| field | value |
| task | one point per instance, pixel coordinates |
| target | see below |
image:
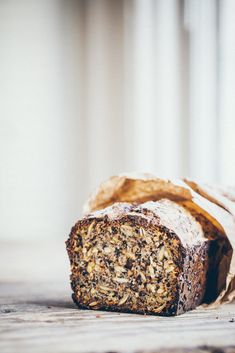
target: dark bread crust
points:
(218, 248)
(169, 279)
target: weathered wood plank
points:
(39, 316)
(43, 315)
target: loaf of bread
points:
(150, 258)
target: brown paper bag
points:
(216, 204)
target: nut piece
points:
(119, 269)
(151, 271)
(142, 232)
(124, 299)
(93, 304)
(90, 267)
(151, 288)
(169, 269)
(161, 254)
(105, 288)
(142, 277)
(107, 250)
(166, 254)
(121, 280)
(127, 230)
(159, 309)
(90, 229)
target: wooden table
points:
(38, 315)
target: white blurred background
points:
(89, 89)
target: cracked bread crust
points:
(148, 259)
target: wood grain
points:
(38, 315)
